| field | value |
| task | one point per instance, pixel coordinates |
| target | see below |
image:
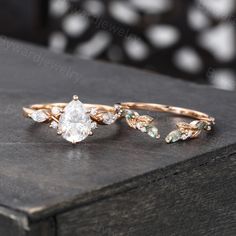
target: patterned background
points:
(189, 39)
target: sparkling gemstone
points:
(118, 109)
(130, 114)
(186, 135)
(54, 125)
(173, 136)
(56, 111)
(198, 124)
(201, 125)
(141, 127)
(94, 125)
(93, 111)
(75, 124)
(153, 132)
(39, 116)
(109, 118)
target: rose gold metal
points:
(169, 109)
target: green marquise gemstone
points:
(152, 131)
(130, 114)
(141, 127)
(201, 125)
(173, 136)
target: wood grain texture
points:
(198, 201)
(41, 175)
(46, 227)
(14, 223)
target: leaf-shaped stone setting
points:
(75, 123)
(39, 116)
(142, 123)
(187, 131)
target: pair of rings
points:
(76, 121)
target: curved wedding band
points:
(75, 121)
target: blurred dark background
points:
(189, 39)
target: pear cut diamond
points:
(75, 124)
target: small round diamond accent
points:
(54, 125)
(93, 111)
(94, 125)
(56, 111)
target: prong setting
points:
(75, 98)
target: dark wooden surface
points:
(197, 201)
(44, 178)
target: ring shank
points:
(169, 109)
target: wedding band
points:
(75, 121)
